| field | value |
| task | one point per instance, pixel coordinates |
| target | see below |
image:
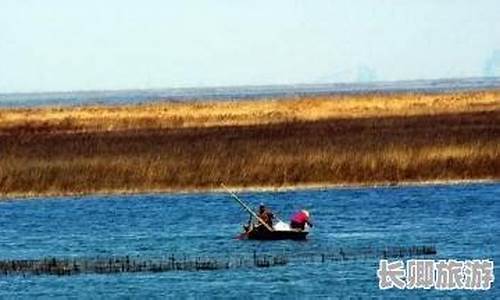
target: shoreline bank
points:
(251, 189)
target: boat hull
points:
(264, 234)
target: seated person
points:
(266, 215)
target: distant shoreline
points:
(243, 93)
(299, 141)
(253, 189)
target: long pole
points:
(247, 208)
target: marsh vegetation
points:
(357, 139)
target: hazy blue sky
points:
(54, 45)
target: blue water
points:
(72, 98)
(463, 221)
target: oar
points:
(247, 208)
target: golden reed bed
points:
(356, 139)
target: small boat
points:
(281, 231)
(262, 231)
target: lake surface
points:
(462, 221)
(120, 97)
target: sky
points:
(60, 45)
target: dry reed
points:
(313, 140)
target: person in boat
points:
(300, 219)
(266, 215)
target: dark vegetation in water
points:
(101, 265)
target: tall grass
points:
(344, 150)
(254, 112)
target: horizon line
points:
(201, 87)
